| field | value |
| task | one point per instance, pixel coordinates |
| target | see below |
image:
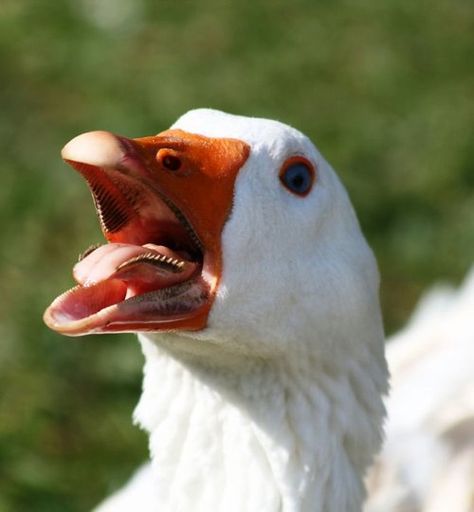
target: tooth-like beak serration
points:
(158, 260)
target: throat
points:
(257, 436)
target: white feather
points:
(427, 463)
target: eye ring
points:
(169, 160)
(297, 175)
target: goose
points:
(234, 252)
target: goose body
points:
(427, 462)
(264, 352)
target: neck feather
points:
(257, 434)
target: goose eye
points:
(297, 176)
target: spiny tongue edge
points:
(144, 268)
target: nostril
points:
(170, 162)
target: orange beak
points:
(162, 202)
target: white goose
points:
(235, 253)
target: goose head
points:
(225, 229)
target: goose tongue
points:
(127, 270)
(123, 285)
(143, 268)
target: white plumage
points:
(427, 463)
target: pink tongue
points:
(103, 264)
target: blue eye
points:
(297, 176)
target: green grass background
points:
(384, 88)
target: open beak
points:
(162, 202)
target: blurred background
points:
(385, 89)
